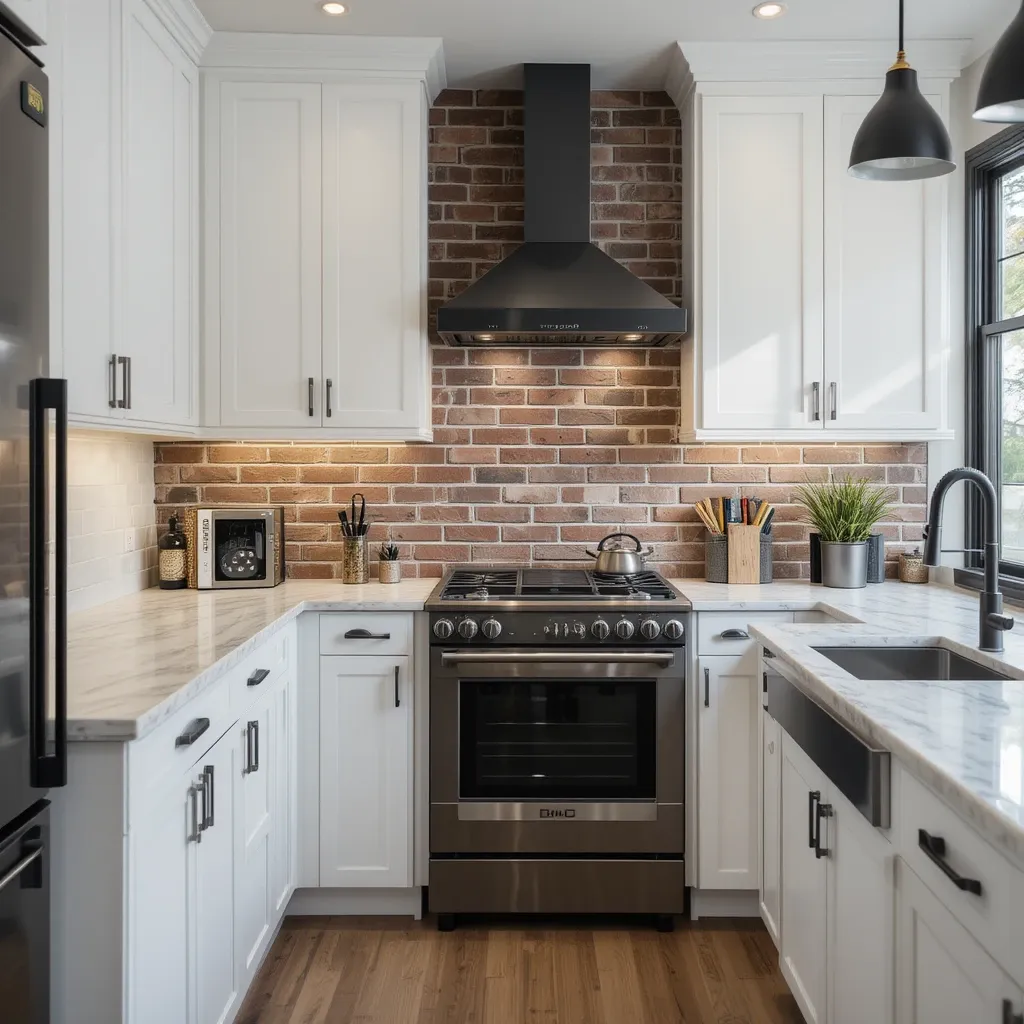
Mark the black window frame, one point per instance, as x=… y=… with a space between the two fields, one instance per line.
x=985 y=165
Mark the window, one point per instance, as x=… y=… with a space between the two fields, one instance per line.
x=995 y=338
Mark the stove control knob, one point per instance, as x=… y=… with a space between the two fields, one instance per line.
x=468 y=629
x=649 y=629
x=624 y=629
x=491 y=628
x=443 y=629
x=579 y=629
x=600 y=629
x=674 y=629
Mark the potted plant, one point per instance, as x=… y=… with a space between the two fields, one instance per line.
x=389 y=569
x=844 y=512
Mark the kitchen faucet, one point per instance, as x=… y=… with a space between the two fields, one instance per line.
x=992 y=620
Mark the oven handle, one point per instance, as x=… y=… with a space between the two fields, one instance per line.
x=662 y=658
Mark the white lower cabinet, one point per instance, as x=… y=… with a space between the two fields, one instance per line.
x=943 y=975
x=727 y=779
x=769 y=893
x=365 y=771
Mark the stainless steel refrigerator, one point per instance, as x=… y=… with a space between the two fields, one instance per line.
x=33 y=538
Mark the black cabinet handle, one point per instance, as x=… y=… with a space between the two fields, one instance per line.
x=1009 y=1017
x=735 y=634
x=255 y=746
x=125 y=363
x=196 y=835
x=248 y=769
x=935 y=850
x=824 y=811
x=192 y=732
x=330 y=384
x=398 y=702
x=816 y=395
x=707 y=687
x=764 y=682
x=309 y=387
x=208 y=796
x=112 y=367
x=365 y=634
x=833 y=389
x=812 y=817
x=257 y=677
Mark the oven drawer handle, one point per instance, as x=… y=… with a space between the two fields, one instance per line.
x=934 y=848
x=18 y=868
x=557 y=658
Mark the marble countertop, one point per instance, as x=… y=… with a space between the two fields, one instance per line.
x=134 y=661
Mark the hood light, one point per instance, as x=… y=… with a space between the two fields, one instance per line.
x=334 y=8
x=483 y=337
x=632 y=337
x=766 y=12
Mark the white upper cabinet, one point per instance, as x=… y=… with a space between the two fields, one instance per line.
x=761 y=160
x=885 y=256
x=269 y=255
x=315 y=238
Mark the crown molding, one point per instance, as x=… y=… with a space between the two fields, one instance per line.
x=810 y=61
x=420 y=58
x=185 y=22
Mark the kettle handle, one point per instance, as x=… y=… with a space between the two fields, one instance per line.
x=612 y=536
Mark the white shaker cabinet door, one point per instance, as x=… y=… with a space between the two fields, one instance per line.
x=760 y=326
x=32 y=13
x=160 y=223
x=942 y=975
x=375 y=350
x=771 y=823
x=885 y=311
x=263 y=252
x=365 y=772
x=727 y=770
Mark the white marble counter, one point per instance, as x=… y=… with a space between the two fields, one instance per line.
x=134 y=661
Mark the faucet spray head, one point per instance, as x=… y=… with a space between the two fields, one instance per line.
x=932 y=544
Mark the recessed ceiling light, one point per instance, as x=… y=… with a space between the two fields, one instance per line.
x=769 y=11
x=334 y=8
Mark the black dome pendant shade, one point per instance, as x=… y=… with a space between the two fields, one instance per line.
x=1001 y=93
x=902 y=138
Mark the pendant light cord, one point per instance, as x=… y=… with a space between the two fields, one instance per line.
x=902 y=47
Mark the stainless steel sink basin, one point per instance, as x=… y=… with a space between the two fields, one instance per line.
x=909 y=663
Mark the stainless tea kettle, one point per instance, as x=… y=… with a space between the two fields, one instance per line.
x=618 y=559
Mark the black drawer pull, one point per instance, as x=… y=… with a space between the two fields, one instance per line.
x=824 y=811
x=935 y=850
x=735 y=634
x=192 y=732
x=365 y=634
x=812 y=818
x=257 y=677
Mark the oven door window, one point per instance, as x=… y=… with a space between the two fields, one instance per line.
x=557 y=739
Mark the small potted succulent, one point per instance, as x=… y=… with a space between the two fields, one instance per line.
x=389 y=568
x=844 y=512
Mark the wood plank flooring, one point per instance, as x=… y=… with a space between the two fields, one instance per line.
x=337 y=970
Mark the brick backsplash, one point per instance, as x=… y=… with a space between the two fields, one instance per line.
x=539 y=452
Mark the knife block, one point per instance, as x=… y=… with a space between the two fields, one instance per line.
x=744 y=554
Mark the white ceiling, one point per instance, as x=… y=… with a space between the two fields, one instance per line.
x=626 y=41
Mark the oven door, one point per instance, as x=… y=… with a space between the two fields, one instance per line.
x=556 y=751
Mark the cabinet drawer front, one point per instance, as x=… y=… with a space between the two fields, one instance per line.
x=996 y=916
x=712 y=625
x=254 y=676
x=383 y=633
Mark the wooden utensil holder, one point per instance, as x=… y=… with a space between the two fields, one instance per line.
x=744 y=553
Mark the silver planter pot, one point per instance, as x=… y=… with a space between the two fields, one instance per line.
x=844 y=566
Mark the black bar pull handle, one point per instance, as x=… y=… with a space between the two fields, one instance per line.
x=398 y=702
x=1009 y=1017
x=257 y=677
x=196 y=835
x=327 y=409
x=707 y=687
x=208 y=796
x=256 y=746
x=112 y=367
x=735 y=634
x=824 y=811
x=935 y=850
x=812 y=817
x=365 y=634
x=48 y=754
x=192 y=732
x=122 y=402
x=816 y=395
x=309 y=388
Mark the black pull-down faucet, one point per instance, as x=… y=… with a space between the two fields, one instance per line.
x=992 y=620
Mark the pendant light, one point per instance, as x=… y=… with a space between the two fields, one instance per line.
x=1001 y=93
x=902 y=137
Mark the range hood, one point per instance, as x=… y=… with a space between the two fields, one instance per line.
x=559 y=288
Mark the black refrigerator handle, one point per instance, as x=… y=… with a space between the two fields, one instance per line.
x=49 y=767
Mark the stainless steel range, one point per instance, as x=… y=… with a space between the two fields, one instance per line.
x=556 y=743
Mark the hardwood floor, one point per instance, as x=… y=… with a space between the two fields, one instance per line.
x=393 y=971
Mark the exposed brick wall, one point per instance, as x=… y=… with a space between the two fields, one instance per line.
x=538 y=453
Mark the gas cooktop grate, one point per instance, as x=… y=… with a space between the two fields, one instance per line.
x=554 y=584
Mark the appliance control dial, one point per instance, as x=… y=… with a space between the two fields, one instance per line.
x=443 y=629
x=674 y=629
x=624 y=629
x=468 y=629
x=600 y=629
x=579 y=629
x=649 y=629
x=491 y=628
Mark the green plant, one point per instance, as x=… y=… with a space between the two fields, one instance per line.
x=388 y=552
x=843 y=511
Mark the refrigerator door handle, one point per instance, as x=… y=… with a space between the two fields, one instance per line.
x=49 y=765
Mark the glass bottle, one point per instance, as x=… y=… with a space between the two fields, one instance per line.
x=173 y=563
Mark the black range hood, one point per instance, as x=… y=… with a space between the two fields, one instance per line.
x=559 y=288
